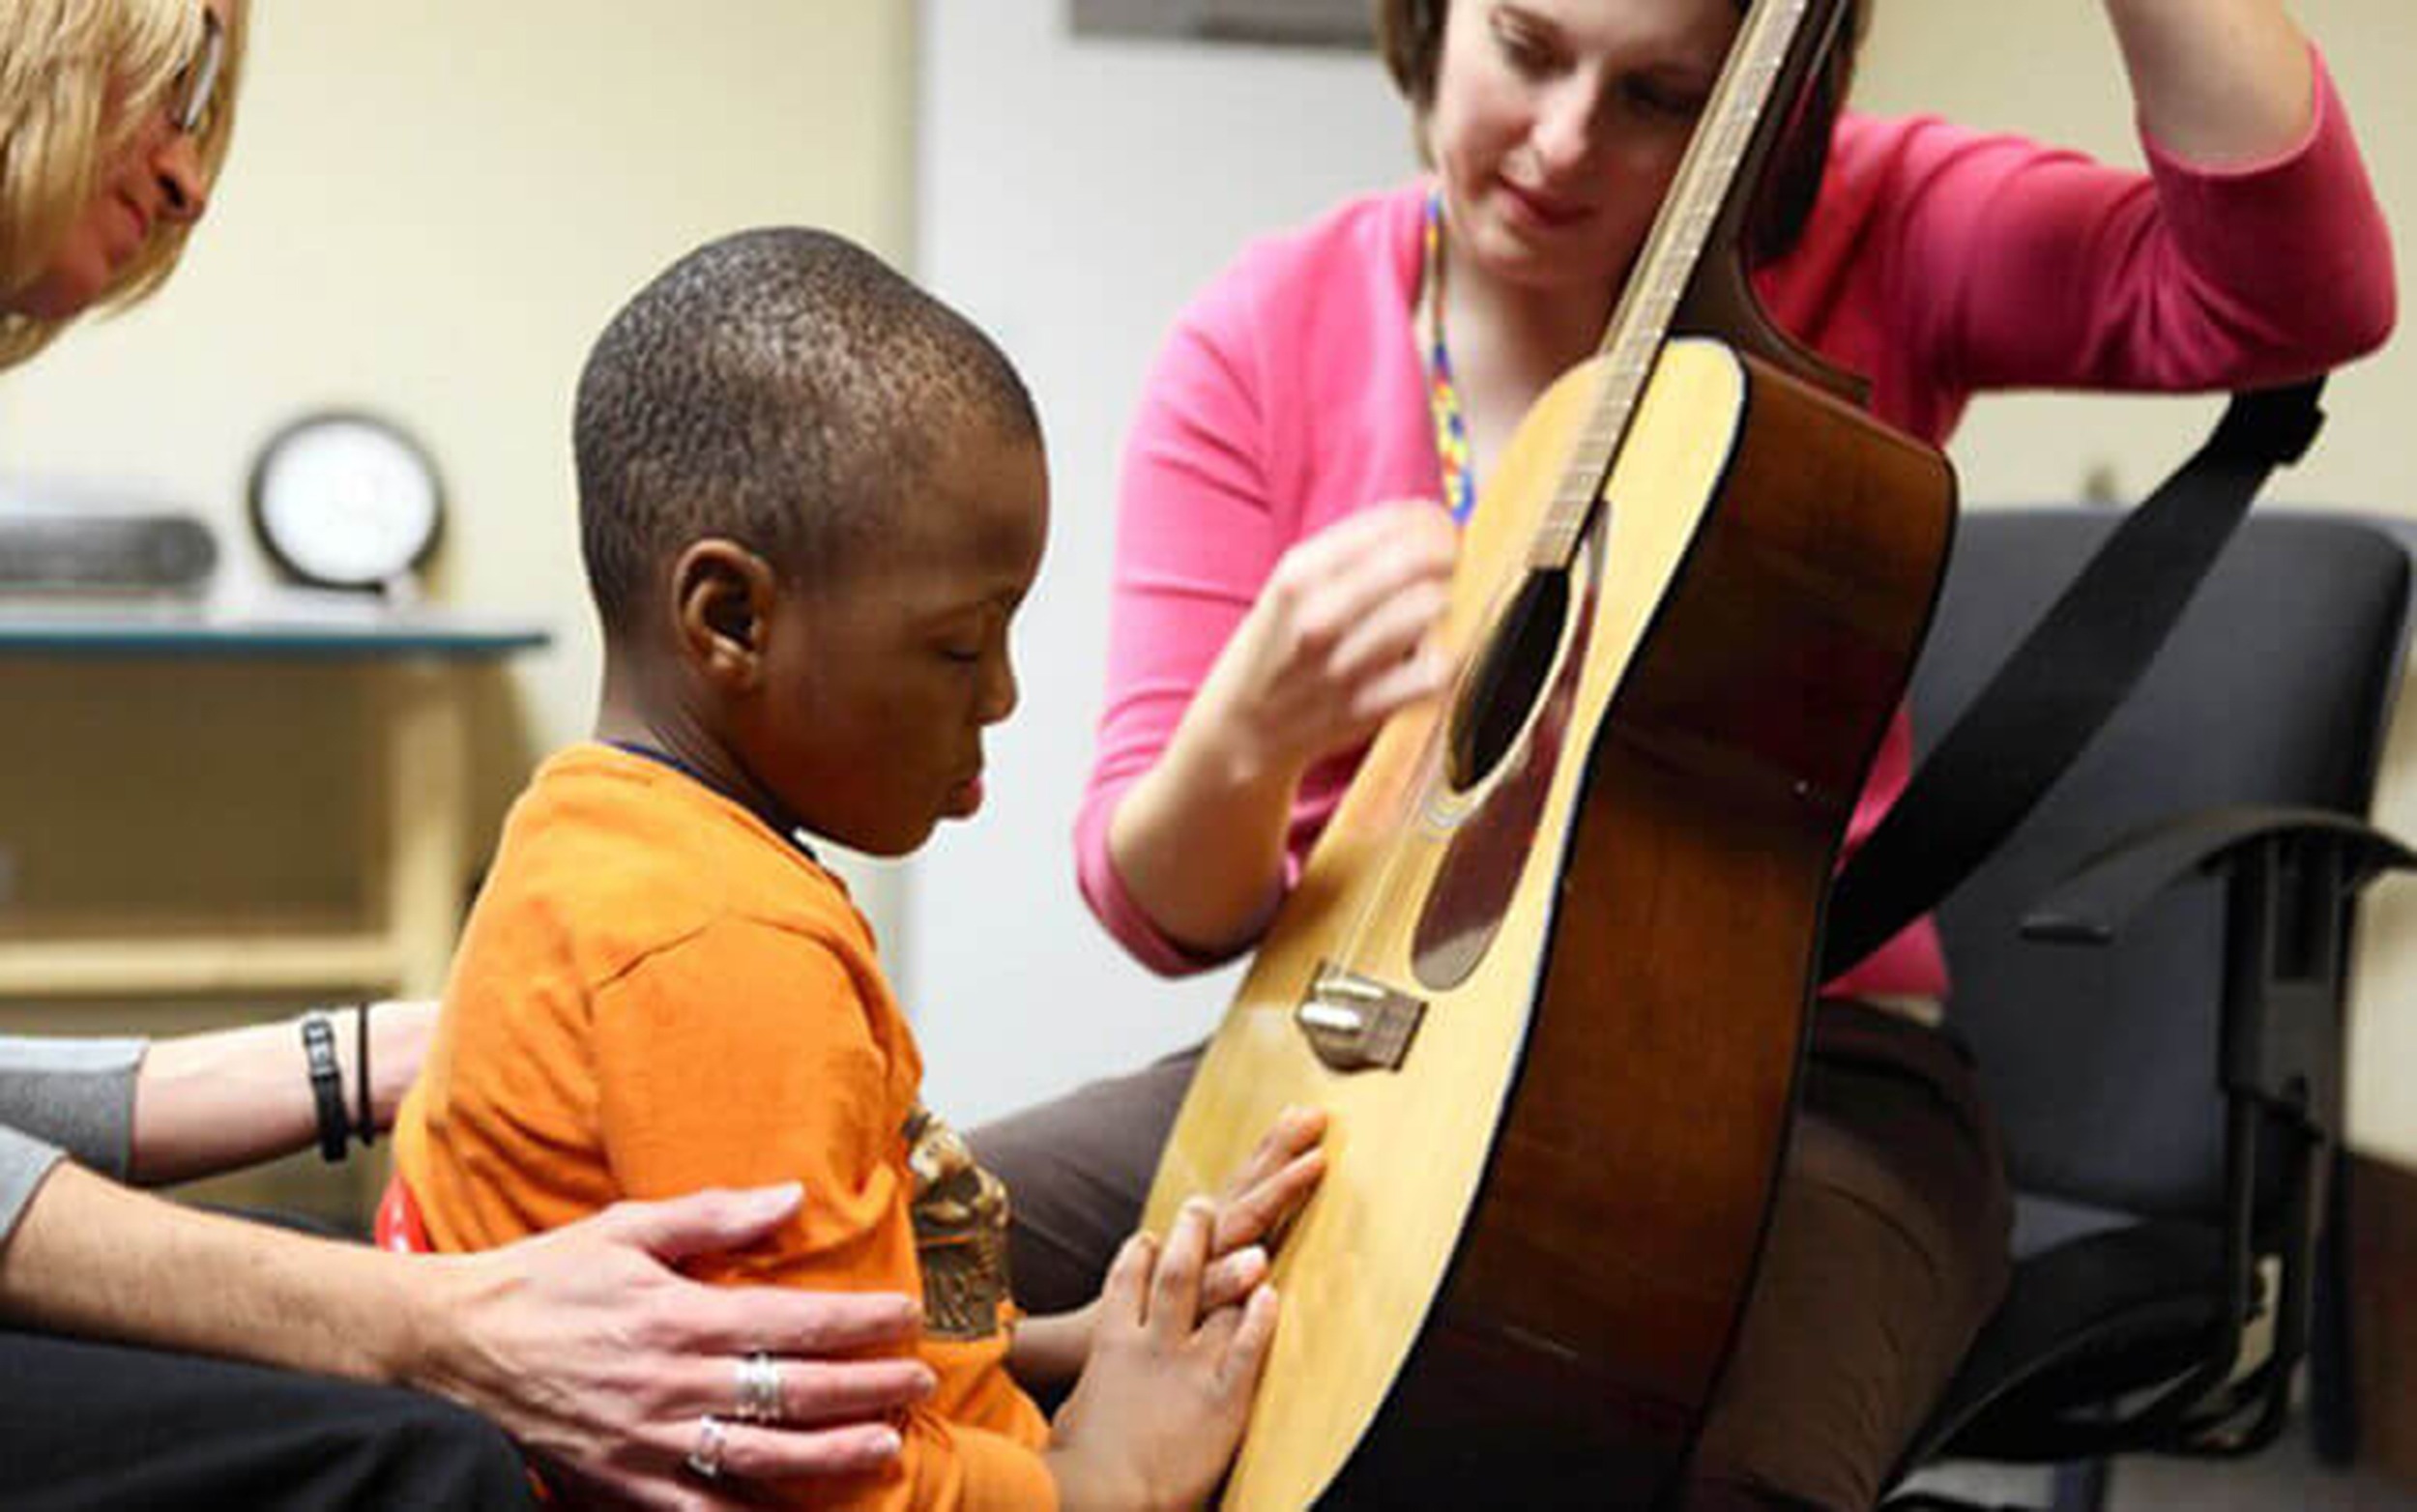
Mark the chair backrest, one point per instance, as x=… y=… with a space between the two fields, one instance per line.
x=2274 y=689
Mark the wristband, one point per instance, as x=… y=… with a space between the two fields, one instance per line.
x=365 y=1125
x=327 y=1085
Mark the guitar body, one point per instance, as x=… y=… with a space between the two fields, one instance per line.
x=1549 y=968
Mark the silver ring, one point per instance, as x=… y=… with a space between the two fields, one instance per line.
x=758 y=1389
x=706 y=1459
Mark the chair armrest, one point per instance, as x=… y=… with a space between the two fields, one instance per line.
x=2095 y=900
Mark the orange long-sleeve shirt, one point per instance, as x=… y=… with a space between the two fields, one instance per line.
x=657 y=993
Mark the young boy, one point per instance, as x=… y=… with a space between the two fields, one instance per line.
x=812 y=498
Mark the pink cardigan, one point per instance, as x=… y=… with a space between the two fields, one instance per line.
x=1938 y=262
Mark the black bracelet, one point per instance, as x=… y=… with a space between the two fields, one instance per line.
x=366 y=1127
x=327 y=1085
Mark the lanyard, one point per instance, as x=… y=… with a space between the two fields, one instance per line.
x=1451 y=425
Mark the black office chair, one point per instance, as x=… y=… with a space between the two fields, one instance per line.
x=2159 y=1028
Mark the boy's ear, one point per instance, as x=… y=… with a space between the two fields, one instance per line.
x=722 y=597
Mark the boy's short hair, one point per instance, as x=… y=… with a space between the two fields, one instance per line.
x=781 y=387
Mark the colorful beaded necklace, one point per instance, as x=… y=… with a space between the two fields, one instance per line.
x=1451 y=425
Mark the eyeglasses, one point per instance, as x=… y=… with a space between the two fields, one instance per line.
x=196 y=88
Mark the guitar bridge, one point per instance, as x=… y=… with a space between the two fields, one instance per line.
x=1353 y=1023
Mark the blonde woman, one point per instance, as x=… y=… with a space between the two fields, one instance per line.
x=116 y=119
x=153 y=1356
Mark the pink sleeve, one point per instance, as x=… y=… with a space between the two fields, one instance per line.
x=1196 y=537
x=2044 y=269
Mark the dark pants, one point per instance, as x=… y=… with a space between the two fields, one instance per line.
x=87 y=1425
x=1886 y=1253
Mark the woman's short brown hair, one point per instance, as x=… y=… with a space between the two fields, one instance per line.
x=1409 y=37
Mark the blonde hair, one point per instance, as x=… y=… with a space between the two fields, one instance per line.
x=79 y=80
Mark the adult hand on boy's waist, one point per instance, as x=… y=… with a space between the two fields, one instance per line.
x=603 y=1361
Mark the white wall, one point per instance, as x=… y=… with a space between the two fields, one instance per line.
x=1073 y=195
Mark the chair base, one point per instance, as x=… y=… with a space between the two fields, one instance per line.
x=2081 y=1486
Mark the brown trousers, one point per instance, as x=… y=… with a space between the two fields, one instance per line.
x=1888 y=1252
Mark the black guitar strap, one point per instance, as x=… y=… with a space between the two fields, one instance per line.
x=2055 y=690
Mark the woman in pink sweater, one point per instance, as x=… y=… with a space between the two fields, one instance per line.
x=1281 y=558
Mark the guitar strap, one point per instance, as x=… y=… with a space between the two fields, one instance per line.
x=2042 y=707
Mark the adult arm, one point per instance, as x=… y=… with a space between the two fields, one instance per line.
x=176 y=1108
x=2026 y=267
x=2218 y=82
x=206 y=1103
x=1334 y=644
x=59 y=1098
x=1238 y=656
x=586 y=1344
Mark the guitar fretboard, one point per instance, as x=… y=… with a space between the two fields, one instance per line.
x=1672 y=250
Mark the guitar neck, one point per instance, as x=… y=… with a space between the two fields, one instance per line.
x=1775 y=54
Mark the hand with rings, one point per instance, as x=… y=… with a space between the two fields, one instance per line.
x=631 y=1386
x=758 y=1401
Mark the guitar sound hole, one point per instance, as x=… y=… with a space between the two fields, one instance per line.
x=1517 y=663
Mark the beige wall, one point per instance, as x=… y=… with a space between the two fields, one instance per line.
x=429 y=211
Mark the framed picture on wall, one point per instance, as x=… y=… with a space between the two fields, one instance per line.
x=1298 y=23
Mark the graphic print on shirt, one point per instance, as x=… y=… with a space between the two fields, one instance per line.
x=960 y=1213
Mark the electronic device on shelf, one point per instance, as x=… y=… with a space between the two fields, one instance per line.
x=74 y=541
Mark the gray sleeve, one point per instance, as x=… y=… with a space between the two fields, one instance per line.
x=76 y=1093
x=61 y=1097
x=23 y=1163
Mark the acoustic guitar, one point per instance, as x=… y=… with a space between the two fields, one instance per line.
x=1550 y=967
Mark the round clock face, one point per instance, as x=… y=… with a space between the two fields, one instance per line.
x=345 y=501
